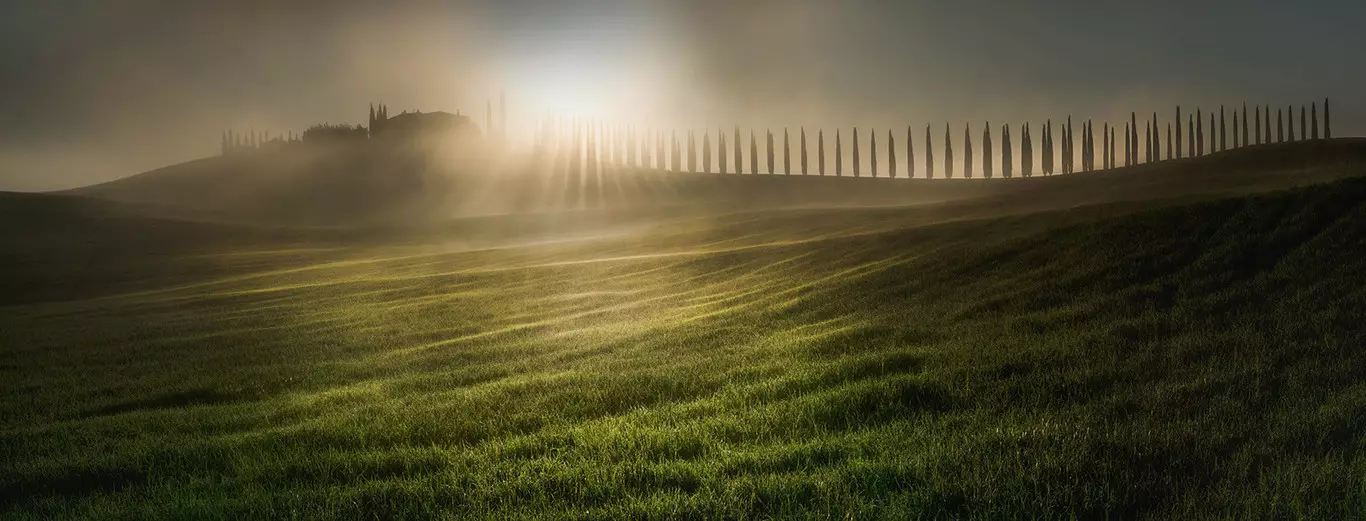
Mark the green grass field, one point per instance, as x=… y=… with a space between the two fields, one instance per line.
x=1179 y=361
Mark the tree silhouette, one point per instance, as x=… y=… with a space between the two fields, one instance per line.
x=891 y=155
x=1211 y=132
x=1314 y=120
x=1068 y=156
x=839 y=155
x=986 y=150
x=872 y=152
x=1179 y=140
x=1199 y=132
x=1048 y=147
x=692 y=152
x=820 y=151
x=1105 y=145
x=787 y=154
x=739 y=152
x=1327 y=121
x=1190 y=129
x=1026 y=151
x=929 y=154
x=910 y=154
x=948 y=152
x=1280 y=126
x=803 y=134
x=1247 y=136
x=1304 y=131
x=1169 y=139
x=1157 y=140
x=1007 y=162
x=967 y=150
x=721 y=149
x=1257 y=111
x=857 y=172
x=770 y=150
x=1290 y=129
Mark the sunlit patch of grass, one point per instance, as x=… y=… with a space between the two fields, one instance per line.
x=1196 y=361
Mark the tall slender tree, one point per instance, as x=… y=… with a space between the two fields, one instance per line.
x=739 y=152
x=1169 y=139
x=1190 y=129
x=1247 y=136
x=967 y=150
x=1257 y=111
x=872 y=152
x=1211 y=132
x=857 y=172
x=706 y=151
x=1068 y=156
x=986 y=150
x=1026 y=152
x=948 y=152
x=820 y=151
x=1304 y=131
x=839 y=155
x=1314 y=119
x=1105 y=145
x=1327 y=121
x=1199 y=132
x=770 y=150
x=1290 y=128
x=721 y=156
x=1280 y=126
x=1007 y=162
x=891 y=155
x=910 y=154
x=1048 y=147
x=1266 y=122
x=1128 y=146
x=1179 y=140
x=929 y=154
x=803 y=150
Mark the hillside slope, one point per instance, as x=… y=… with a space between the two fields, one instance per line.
x=1190 y=361
x=367 y=184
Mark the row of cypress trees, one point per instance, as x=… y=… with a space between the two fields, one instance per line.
x=626 y=147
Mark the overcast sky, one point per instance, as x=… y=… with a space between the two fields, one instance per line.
x=92 y=90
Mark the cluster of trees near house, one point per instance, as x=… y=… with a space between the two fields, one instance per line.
x=1065 y=149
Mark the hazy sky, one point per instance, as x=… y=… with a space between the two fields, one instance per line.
x=92 y=90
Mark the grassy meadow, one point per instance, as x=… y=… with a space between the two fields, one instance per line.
x=1200 y=360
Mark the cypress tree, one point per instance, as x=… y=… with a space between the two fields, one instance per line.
x=739 y=152
x=1290 y=129
x=787 y=154
x=872 y=152
x=929 y=154
x=986 y=150
x=948 y=152
x=1190 y=129
x=1327 y=121
x=1105 y=145
x=910 y=154
x=1007 y=162
x=769 y=143
x=967 y=150
x=1314 y=119
x=1258 y=126
x=721 y=149
x=1199 y=132
x=1266 y=122
x=839 y=155
x=1211 y=132
x=692 y=152
x=1069 y=157
x=891 y=155
x=1304 y=131
x=820 y=151
x=1179 y=141
x=1148 y=142
x=753 y=154
x=1026 y=152
x=1280 y=127
x=857 y=172
x=1247 y=136
x=1048 y=147
x=1169 y=138
x=804 y=151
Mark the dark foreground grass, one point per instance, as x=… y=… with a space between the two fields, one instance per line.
x=1198 y=361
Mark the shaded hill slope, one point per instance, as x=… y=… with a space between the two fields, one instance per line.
x=367 y=184
x=1191 y=361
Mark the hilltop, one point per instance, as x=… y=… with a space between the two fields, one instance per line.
x=373 y=184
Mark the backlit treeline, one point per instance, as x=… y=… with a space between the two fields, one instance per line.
x=1069 y=148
